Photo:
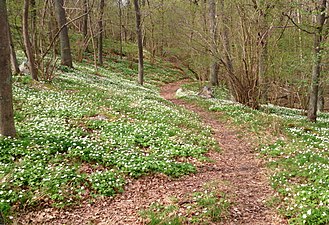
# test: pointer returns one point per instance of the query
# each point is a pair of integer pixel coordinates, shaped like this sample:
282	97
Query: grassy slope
86	133
297	152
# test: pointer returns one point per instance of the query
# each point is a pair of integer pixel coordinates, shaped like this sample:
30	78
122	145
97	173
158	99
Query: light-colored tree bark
262	9
27	42
13	57
94	44
152	41
321	100
100	32
7	126
316	72
214	67
66	56
121	26
140	43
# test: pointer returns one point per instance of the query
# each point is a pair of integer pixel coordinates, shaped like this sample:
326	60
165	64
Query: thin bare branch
59	31
296	25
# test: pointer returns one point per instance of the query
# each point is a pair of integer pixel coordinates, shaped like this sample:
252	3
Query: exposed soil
241	173
239	165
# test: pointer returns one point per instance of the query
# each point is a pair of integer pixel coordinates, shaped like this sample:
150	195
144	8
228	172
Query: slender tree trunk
52	27
205	75
120	21
100	33
191	35
162	41
7	126
140	43
152	38
85	20
66	56
94	44
321	99
85	24
13	57
263	51
27	42
300	39
34	35
126	22
214	67
131	33
262	68
318	38
52	24
227	51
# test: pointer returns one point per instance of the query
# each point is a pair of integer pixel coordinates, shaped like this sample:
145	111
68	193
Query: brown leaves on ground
237	170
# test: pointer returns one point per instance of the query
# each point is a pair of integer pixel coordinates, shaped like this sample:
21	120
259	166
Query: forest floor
236	170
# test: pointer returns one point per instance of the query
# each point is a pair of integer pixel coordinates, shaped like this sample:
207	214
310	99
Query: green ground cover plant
296	151
205	206
83	134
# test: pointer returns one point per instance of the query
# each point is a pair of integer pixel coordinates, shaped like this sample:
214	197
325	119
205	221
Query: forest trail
238	166
237	171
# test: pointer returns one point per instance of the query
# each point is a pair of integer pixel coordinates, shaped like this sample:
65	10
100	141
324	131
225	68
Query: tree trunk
120	21
214	67
27	43
85	19
13	57
231	81
100	32
7	126
263	51
85	24
52	28
34	36
162	41
321	100
300	38
316	72
140	43
205	71
191	35
153	45
66	57
262	68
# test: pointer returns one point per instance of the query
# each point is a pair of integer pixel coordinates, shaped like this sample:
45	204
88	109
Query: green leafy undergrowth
99	121
156	74
243	117
297	152
207	206
301	168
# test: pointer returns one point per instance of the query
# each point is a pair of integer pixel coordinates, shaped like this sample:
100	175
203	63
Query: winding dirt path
242	176
238	165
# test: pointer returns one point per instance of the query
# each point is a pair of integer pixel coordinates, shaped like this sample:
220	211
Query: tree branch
59	31
299	27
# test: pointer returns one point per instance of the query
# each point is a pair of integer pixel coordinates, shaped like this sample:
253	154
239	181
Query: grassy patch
206	206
